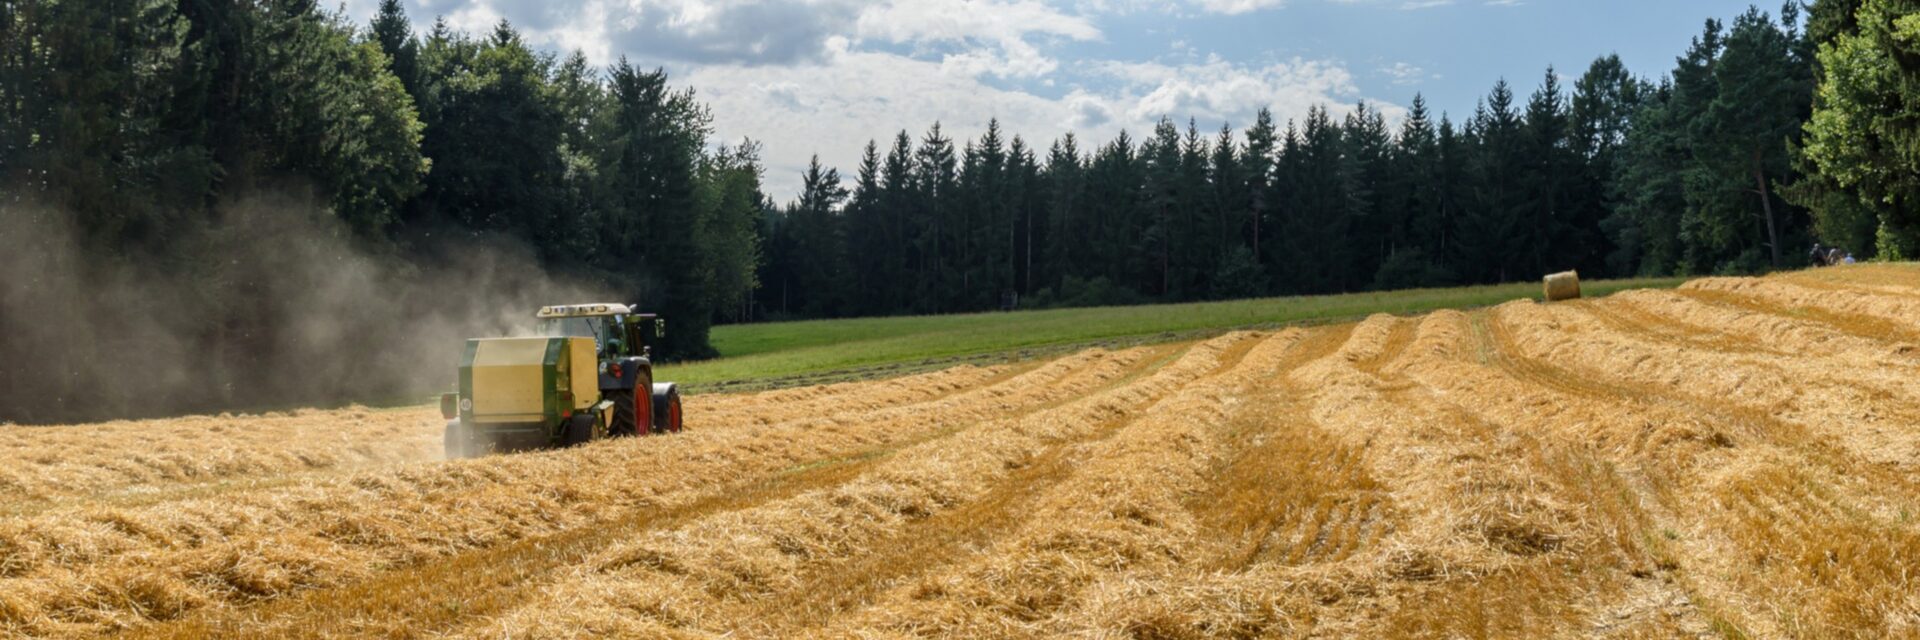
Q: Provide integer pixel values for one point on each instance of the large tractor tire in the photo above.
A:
(632, 412)
(579, 430)
(458, 443)
(666, 408)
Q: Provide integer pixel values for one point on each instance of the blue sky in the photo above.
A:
(823, 76)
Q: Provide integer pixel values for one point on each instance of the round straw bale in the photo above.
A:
(1563, 286)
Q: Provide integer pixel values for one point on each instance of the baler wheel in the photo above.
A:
(579, 430)
(457, 442)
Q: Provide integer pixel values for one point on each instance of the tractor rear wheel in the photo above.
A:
(632, 412)
(579, 430)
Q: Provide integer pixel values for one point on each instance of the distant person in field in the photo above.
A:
(1835, 255)
(1848, 259)
(1818, 256)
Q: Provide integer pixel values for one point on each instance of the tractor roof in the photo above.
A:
(592, 310)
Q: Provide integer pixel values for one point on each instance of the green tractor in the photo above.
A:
(587, 375)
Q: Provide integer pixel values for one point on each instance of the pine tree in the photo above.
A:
(652, 151)
(866, 236)
(1416, 200)
(394, 33)
(1377, 230)
(1604, 101)
(935, 203)
(1487, 236)
(1549, 182)
(1260, 156)
(1069, 249)
(898, 215)
(820, 270)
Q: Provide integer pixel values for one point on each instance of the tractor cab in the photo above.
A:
(616, 330)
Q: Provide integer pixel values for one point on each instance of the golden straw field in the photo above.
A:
(1736, 458)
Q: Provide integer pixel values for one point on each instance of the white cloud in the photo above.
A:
(1232, 7)
(834, 107)
(1404, 74)
(996, 34)
(1216, 90)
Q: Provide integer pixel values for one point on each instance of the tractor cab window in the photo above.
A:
(609, 337)
(570, 328)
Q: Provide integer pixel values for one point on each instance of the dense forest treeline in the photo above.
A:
(200, 174)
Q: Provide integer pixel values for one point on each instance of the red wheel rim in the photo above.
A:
(673, 415)
(642, 412)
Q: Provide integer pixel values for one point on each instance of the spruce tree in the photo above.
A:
(394, 33)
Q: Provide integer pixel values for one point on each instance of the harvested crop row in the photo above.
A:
(1763, 331)
(1408, 516)
(711, 575)
(1608, 443)
(150, 461)
(1494, 531)
(80, 571)
(1903, 313)
(38, 464)
(369, 609)
(1764, 523)
(1869, 409)
(1121, 510)
(771, 407)
(1896, 279)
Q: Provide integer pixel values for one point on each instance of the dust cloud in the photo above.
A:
(270, 305)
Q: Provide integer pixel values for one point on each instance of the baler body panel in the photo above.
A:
(583, 369)
(509, 378)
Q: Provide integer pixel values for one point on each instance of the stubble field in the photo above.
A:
(1738, 457)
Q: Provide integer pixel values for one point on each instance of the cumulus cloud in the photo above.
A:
(833, 108)
(1218, 90)
(995, 35)
(824, 76)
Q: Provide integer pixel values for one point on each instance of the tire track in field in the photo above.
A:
(117, 568)
(1732, 545)
(769, 551)
(1595, 449)
(1285, 479)
(1491, 530)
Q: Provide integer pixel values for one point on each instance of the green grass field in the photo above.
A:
(783, 353)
